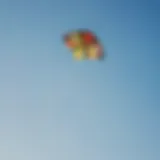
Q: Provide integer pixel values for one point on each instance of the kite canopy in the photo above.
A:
(84, 45)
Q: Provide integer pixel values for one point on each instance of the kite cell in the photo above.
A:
(84, 45)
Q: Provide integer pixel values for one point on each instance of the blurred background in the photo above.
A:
(54, 108)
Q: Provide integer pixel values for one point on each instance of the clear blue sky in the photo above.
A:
(53, 108)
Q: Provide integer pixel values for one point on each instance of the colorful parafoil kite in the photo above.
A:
(84, 45)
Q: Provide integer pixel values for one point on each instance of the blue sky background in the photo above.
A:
(54, 108)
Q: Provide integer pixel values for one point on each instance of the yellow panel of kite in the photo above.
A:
(79, 54)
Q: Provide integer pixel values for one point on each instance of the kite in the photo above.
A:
(84, 45)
